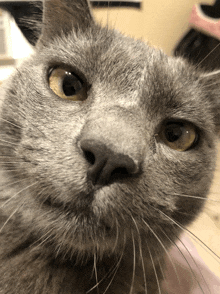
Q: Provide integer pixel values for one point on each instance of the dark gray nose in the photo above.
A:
(106, 166)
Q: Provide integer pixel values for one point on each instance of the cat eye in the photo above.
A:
(179, 136)
(67, 85)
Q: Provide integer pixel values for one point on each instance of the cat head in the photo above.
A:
(104, 137)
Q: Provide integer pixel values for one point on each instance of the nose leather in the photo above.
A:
(105, 165)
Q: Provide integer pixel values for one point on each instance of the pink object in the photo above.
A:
(203, 22)
(197, 280)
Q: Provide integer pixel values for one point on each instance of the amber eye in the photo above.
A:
(67, 85)
(179, 136)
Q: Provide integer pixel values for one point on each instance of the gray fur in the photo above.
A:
(55, 224)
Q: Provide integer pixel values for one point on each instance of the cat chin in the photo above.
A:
(100, 248)
(80, 247)
(84, 232)
(92, 224)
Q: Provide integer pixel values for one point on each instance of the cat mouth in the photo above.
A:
(83, 203)
(88, 215)
(80, 203)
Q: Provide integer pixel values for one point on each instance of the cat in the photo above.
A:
(102, 139)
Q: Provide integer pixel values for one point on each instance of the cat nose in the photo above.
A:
(105, 165)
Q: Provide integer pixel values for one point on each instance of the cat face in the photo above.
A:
(107, 135)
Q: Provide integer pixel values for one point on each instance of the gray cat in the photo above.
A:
(102, 139)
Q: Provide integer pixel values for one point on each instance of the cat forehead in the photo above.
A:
(109, 56)
(128, 71)
(97, 49)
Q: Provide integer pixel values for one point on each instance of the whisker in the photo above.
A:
(96, 274)
(197, 197)
(162, 272)
(117, 236)
(106, 275)
(113, 270)
(5, 120)
(116, 269)
(15, 170)
(43, 241)
(207, 55)
(141, 254)
(154, 268)
(42, 133)
(10, 217)
(195, 264)
(211, 84)
(143, 268)
(216, 72)
(199, 241)
(191, 270)
(4, 141)
(10, 184)
(134, 264)
(16, 194)
(164, 248)
(59, 247)
(41, 238)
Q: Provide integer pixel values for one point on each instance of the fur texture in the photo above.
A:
(62, 232)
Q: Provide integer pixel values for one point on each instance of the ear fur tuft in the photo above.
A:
(62, 16)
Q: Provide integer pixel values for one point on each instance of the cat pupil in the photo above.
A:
(173, 132)
(71, 84)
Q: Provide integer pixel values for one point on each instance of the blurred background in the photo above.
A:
(164, 24)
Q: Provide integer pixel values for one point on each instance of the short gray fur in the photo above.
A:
(62, 225)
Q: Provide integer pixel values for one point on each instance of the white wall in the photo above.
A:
(19, 48)
(161, 22)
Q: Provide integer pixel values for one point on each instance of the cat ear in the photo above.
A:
(62, 16)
